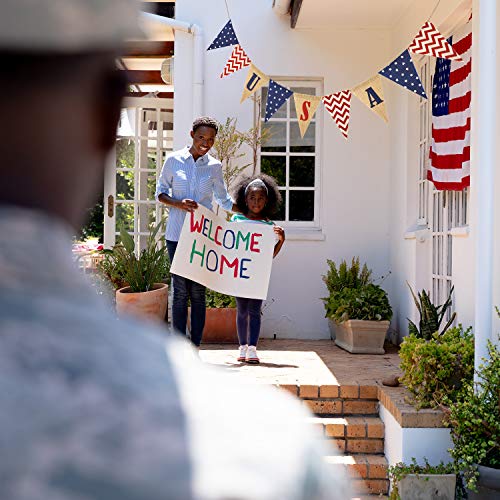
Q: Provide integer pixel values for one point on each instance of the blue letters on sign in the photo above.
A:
(216, 261)
(243, 268)
(224, 240)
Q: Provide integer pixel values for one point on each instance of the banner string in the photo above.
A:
(227, 9)
(434, 11)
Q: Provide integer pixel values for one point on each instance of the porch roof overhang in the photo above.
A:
(339, 14)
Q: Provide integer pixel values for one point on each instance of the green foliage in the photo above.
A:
(353, 295)
(122, 267)
(400, 470)
(219, 300)
(94, 227)
(475, 421)
(346, 277)
(437, 368)
(369, 303)
(431, 316)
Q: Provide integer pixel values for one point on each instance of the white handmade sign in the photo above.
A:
(231, 258)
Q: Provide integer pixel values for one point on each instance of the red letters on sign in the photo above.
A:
(254, 243)
(196, 226)
(217, 242)
(305, 111)
(234, 264)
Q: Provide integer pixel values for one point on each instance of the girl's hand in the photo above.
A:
(280, 232)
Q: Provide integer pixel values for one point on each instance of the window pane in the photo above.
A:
(302, 171)
(299, 90)
(125, 216)
(304, 144)
(125, 185)
(280, 214)
(276, 140)
(125, 153)
(274, 166)
(281, 113)
(301, 205)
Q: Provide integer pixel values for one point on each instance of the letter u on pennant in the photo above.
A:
(254, 81)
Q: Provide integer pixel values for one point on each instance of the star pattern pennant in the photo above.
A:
(236, 61)
(403, 72)
(430, 42)
(339, 107)
(277, 95)
(225, 38)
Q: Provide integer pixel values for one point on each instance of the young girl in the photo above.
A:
(257, 198)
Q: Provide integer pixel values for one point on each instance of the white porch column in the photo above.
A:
(483, 171)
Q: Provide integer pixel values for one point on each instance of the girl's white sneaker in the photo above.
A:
(252, 355)
(242, 356)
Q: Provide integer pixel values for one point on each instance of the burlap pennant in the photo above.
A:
(371, 94)
(305, 106)
(254, 81)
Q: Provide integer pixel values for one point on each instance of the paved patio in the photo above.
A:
(306, 362)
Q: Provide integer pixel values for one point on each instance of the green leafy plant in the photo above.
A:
(437, 368)
(431, 316)
(346, 277)
(219, 300)
(123, 268)
(367, 303)
(474, 419)
(400, 470)
(353, 295)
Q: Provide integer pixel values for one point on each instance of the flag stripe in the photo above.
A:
(440, 136)
(450, 161)
(451, 175)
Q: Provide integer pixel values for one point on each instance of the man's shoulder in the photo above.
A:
(179, 155)
(213, 162)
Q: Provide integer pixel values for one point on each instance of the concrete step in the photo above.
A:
(352, 434)
(368, 473)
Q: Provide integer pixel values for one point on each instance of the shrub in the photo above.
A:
(219, 300)
(437, 368)
(346, 277)
(475, 421)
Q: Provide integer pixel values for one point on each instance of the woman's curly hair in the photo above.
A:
(273, 194)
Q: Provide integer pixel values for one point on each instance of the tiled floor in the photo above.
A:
(315, 362)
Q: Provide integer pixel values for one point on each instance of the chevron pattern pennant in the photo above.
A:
(225, 38)
(237, 61)
(339, 106)
(277, 95)
(431, 42)
(403, 72)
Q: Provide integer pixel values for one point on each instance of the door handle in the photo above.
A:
(111, 205)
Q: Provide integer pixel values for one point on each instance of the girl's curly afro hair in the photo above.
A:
(273, 194)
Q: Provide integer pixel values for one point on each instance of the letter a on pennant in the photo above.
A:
(254, 81)
(371, 94)
(305, 106)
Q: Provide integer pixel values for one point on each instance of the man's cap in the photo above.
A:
(67, 26)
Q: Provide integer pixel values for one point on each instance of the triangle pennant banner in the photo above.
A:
(403, 72)
(430, 42)
(236, 61)
(254, 81)
(339, 106)
(277, 95)
(225, 38)
(305, 106)
(371, 94)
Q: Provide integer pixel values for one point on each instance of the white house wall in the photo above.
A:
(357, 199)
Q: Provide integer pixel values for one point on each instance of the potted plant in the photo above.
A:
(414, 481)
(359, 310)
(475, 430)
(140, 281)
(220, 319)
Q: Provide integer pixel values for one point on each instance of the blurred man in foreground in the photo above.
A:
(91, 408)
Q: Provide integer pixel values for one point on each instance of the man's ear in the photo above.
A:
(109, 108)
(192, 134)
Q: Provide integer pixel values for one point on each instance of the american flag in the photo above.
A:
(449, 167)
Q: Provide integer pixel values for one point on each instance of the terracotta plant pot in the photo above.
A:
(220, 326)
(151, 305)
(361, 336)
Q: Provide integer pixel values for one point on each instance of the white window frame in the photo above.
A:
(315, 224)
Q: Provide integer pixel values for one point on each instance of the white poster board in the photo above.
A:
(234, 258)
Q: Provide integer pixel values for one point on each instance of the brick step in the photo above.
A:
(352, 434)
(368, 473)
(336, 407)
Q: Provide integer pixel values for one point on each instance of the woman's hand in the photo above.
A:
(187, 204)
(280, 232)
